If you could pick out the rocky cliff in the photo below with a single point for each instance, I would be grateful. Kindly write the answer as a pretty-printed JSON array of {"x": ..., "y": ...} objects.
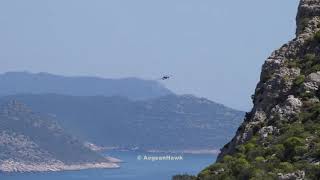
[
  {"x": 280, "y": 137},
  {"x": 277, "y": 97}
]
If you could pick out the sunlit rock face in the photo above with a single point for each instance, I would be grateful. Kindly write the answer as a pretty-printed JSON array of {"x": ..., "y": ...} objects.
[
  {"x": 308, "y": 10},
  {"x": 274, "y": 96},
  {"x": 280, "y": 137}
]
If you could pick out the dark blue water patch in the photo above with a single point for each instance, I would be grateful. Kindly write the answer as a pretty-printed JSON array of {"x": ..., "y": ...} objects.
[{"x": 131, "y": 168}]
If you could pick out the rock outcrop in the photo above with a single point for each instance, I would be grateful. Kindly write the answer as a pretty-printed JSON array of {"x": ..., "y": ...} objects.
[
  {"x": 279, "y": 138},
  {"x": 274, "y": 97}
]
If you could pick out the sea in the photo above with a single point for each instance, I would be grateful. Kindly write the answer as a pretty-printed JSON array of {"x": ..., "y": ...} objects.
[{"x": 135, "y": 166}]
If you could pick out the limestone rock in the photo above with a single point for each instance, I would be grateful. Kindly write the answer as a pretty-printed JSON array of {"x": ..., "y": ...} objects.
[
  {"x": 312, "y": 82},
  {"x": 273, "y": 97},
  {"x": 288, "y": 110},
  {"x": 299, "y": 175},
  {"x": 266, "y": 131}
]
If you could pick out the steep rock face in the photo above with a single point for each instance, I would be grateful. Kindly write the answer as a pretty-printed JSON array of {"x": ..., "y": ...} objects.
[
  {"x": 308, "y": 13},
  {"x": 279, "y": 138},
  {"x": 274, "y": 96}
]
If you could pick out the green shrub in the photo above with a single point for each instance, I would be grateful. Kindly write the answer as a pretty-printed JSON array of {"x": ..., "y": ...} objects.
[
  {"x": 259, "y": 159},
  {"x": 239, "y": 155},
  {"x": 311, "y": 113},
  {"x": 317, "y": 36},
  {"x": 291, "y": 146},
  {"x": 278, "y": 150},
  {"x": 241, "y": 149},
  {"x": 300, "y": 150},
  {"x": 255, "y": 152},
  {"x": 316, "y": 151},
  {"x": 208, "y": 173},
  {"x": 249, "y": 146},
  {"x": 286, "y": 167},
  {"x": 184, "y": 177},
  {"x": 310, "y": 58},
  {"x": 260, "y": 174},
  {"x": 313, "y": 128},
  {"x": 272, "y": 162},
  {"x": 307, "y": 95},
  {"x": 227, "y": 158},
  {"x": 299, "y": 80},
  {"x": 313, "y": 171},
  {"x": 293, "y": 63},
  {"x": 315, "y": 68},
  {"x": 239, "y": 166}
]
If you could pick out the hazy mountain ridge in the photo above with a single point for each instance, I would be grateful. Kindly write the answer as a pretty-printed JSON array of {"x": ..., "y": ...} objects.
[
  {"x": 30, "y": 142},
  {"x": 132, "y": 88},
  {"x": 167, "y": 123}
]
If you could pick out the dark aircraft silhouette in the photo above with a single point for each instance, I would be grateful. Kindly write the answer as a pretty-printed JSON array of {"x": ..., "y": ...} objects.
[{"x": 165, "y": 77}]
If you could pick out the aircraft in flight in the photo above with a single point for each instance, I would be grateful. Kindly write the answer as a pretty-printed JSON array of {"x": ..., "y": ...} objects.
[{"x": 165, "y": 78}]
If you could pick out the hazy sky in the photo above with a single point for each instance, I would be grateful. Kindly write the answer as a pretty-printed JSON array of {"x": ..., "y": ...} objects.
[{"x": 213, "y": 48}]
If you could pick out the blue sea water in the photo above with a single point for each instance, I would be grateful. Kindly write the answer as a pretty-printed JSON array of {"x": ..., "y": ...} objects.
[{"x": 131, "y": 168}]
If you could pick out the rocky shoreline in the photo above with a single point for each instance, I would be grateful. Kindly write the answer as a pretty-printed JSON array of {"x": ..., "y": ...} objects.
[{"x": 21, "y": 167}]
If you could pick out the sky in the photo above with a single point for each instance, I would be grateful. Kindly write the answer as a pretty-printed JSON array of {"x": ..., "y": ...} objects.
[{"x": 213, "y": 49}]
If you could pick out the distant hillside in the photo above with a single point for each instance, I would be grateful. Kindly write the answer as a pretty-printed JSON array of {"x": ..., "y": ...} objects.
[
  {"x": 132, "y": 88},
  {"x": 167, "y": 123},
  {"x": 29, "y": 142}
]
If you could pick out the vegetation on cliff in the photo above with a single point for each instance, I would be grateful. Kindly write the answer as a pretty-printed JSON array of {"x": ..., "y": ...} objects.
[{"x": 280, "y": 137}]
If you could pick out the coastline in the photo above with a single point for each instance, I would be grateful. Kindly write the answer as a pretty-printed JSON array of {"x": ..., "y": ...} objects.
[
  {"x": 184, "y": 151},
  {"x": 191, "y": 151},
  {"x": 98, "y": 148},
  {"x": 21, "y": 167},
  {"x": 180, "y": 151}
]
